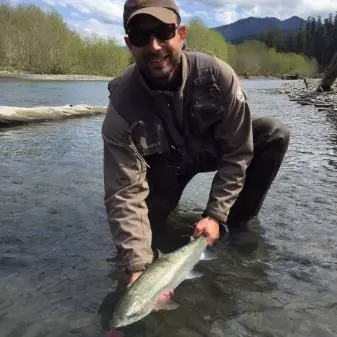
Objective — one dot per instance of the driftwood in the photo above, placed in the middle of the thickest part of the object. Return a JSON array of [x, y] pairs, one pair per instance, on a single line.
[[329, 77], [10, 115], [290, 77]]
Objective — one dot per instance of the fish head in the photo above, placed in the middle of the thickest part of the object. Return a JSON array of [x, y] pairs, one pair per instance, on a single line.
[[130, 310]]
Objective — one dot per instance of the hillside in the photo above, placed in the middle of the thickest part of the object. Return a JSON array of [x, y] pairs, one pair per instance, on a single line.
[[250, 28]]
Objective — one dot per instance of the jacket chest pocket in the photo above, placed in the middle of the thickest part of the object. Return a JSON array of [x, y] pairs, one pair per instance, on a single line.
[[207, 107], [149, 137]]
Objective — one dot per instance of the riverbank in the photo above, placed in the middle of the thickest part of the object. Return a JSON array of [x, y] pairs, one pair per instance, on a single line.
[[4, 74], [298, 92], [50, 77]]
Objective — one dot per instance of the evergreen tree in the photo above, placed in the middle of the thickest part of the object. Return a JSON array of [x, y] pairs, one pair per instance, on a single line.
[[317, 38], [301, 38]]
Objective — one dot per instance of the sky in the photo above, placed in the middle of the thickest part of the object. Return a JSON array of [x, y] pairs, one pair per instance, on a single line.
[[104, 17]]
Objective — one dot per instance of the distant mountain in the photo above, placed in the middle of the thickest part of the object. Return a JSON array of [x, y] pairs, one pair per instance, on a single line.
[[250, 28]]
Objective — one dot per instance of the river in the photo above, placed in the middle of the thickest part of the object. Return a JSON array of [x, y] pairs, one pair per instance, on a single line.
[[57, 259]]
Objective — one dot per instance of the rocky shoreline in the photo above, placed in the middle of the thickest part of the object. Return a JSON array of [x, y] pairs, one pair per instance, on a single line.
[[297, 91], [21, 75]]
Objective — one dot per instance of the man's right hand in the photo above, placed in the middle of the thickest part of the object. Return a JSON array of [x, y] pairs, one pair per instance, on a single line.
[[133, 277]]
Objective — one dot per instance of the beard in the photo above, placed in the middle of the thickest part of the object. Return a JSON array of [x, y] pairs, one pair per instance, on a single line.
[[161, 67]]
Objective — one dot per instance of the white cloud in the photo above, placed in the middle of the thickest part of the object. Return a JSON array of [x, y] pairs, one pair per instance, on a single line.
[[75, 14], [94, 26], [230, 14], [104, 10], [186, 15], [105, 16], [227, 11]]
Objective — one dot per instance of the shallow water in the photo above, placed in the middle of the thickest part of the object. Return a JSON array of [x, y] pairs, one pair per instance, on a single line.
[[57, 257]]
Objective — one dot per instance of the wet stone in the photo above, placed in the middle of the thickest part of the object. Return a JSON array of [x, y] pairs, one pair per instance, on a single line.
[[52, 211], [297, 92], [323, 105], [236, 285], [262, 302]]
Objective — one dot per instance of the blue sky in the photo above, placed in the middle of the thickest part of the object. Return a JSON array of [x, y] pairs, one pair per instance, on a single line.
[[104, 17]]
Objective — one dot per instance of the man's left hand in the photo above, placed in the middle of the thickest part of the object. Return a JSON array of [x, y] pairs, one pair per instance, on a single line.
[[208, 227]]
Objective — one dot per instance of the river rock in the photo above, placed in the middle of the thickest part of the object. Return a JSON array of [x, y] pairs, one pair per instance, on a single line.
[[298, 92], [11, 115], [323, 105]]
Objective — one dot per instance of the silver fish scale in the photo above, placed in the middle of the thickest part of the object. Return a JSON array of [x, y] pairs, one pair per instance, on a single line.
[[169, 270]]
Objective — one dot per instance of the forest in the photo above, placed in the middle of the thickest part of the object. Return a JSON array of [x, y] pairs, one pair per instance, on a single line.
[[36, 41], [316, 39]]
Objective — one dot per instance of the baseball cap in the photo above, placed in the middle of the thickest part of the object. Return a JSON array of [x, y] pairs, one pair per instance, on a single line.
[[166, 11]]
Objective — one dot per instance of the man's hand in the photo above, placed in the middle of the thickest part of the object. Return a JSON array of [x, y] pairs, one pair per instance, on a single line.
[[162, 299], [133, 277], [208, 227]]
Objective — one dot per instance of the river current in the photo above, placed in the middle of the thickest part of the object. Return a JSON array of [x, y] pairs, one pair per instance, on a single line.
[[57, 256]]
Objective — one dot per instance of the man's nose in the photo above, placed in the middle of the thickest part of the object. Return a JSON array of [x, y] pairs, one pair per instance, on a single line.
[[154, 44]]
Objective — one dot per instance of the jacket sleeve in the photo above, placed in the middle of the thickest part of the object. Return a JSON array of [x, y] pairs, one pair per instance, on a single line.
[[126, 189], [235, 143]]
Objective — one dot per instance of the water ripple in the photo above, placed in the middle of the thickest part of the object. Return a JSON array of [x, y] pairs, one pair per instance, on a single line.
[[56, 248]]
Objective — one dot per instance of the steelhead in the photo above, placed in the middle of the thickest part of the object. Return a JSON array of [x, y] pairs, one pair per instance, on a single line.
[[164, 274]]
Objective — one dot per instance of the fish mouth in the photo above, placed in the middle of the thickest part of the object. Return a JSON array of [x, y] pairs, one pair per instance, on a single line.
[[119, 322]]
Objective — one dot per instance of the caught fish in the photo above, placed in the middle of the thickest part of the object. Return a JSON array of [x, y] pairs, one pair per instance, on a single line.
[[162, 276]]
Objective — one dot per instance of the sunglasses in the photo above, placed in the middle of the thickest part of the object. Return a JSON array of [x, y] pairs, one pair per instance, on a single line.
[[141, 37]]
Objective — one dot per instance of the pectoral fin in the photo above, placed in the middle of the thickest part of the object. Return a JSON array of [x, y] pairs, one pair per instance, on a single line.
[[164, 301], [194, 274], [167, 305]]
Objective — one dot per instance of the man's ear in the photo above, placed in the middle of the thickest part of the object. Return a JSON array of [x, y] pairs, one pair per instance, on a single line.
[[182, 33], [128, 43]]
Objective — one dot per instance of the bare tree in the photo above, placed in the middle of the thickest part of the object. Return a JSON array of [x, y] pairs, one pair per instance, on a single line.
[[329, 77]]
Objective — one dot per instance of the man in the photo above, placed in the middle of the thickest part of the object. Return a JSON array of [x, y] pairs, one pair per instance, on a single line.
[[174, 114]]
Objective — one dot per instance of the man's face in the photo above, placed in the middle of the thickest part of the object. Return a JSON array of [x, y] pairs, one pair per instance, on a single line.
[[156, 47]]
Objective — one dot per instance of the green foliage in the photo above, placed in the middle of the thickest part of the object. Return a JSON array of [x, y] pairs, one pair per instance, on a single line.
[[40, 42], [255, 58], [252, 57], [200, 38], [98, 56]]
